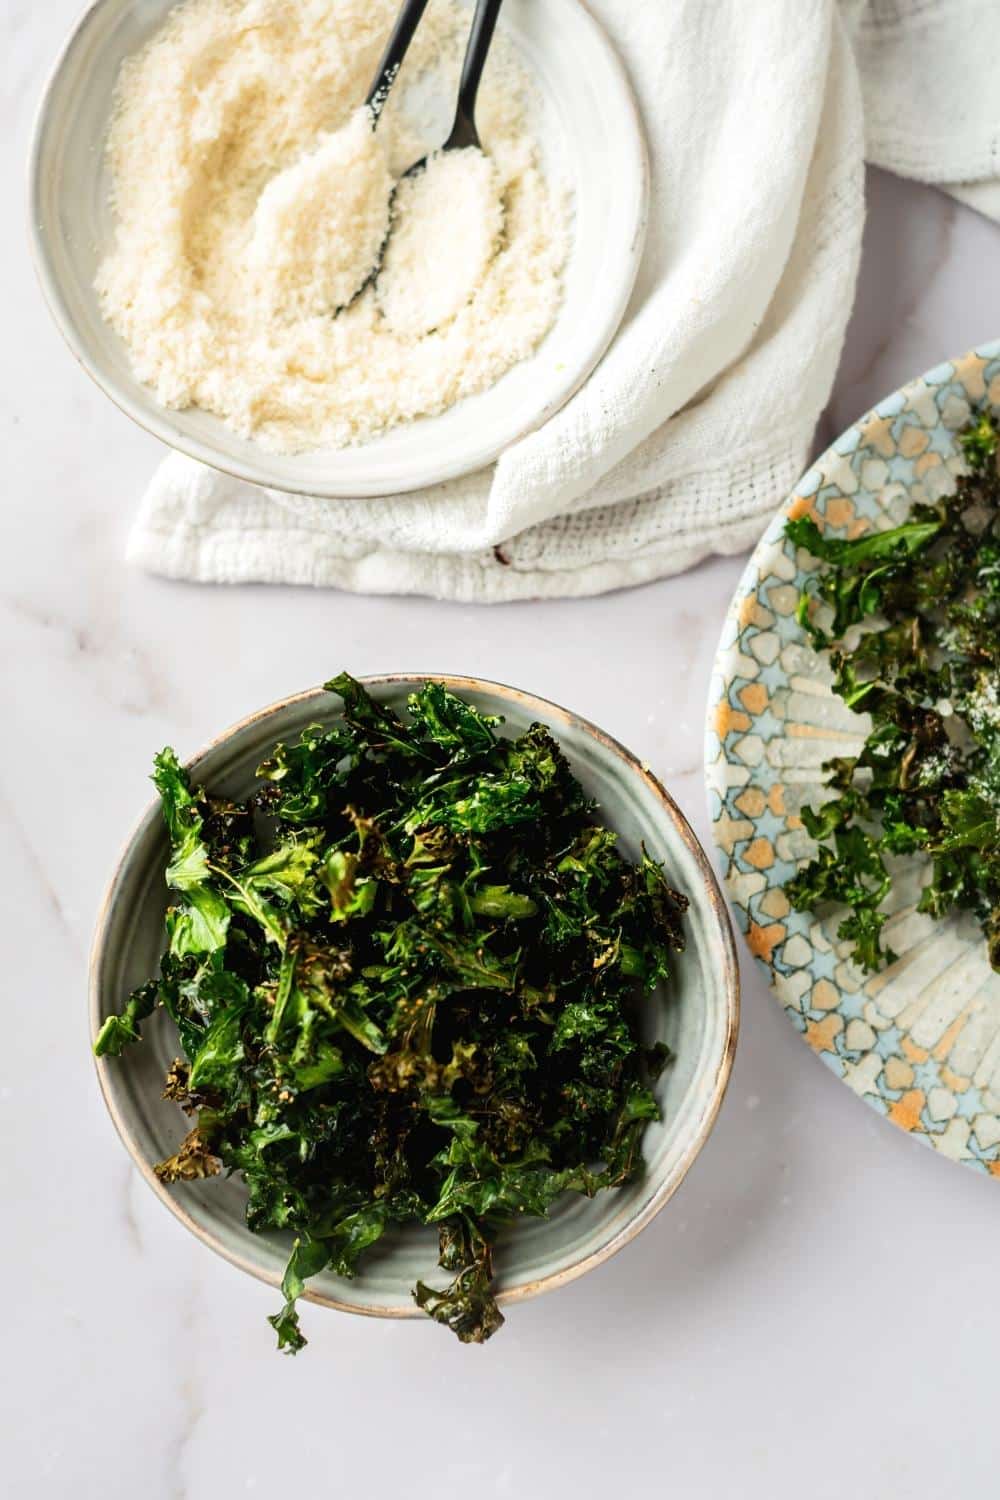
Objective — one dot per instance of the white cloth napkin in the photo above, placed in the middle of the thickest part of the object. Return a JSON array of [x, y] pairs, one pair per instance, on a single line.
[[697, 422]]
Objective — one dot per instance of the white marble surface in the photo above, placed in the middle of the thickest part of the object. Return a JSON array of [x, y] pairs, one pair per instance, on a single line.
[[814, 1313]]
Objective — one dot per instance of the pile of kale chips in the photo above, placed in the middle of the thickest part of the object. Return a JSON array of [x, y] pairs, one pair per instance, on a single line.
[[927, 670], [406, 977]]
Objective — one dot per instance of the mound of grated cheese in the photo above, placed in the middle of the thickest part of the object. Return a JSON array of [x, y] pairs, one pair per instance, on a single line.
[[319, 225], [251, 198], [446, 224]]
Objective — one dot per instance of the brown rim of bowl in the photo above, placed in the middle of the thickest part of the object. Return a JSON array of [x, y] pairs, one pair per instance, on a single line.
[[731, 981]]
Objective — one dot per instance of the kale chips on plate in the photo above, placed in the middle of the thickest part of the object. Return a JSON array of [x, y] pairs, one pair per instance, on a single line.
[[912, 628]]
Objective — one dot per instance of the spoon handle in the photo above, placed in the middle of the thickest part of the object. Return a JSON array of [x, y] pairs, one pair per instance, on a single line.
[[395, 50], [484, 22]]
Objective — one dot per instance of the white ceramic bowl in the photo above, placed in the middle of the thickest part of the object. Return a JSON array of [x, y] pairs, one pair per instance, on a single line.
[[584, 92], [698, 1018]]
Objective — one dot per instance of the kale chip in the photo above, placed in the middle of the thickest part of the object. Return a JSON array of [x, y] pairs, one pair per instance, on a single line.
[[926, 667], [407, 977]]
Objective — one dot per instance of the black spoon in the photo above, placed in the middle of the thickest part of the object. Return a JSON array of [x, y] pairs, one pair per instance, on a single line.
[[463, 131], [392, 58]]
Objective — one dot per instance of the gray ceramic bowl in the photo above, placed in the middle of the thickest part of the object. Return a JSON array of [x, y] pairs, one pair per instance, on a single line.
[[699, 1019]]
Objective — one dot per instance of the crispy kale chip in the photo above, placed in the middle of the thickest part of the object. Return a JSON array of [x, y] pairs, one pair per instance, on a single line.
[[408, 978], [926, 667]]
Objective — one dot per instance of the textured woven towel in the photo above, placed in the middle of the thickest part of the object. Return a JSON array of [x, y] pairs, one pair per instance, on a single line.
[[698, 419]]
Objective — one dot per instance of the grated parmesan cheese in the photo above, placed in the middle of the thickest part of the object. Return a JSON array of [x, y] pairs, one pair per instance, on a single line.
[[446, 225], [320, 224], [983, 704], [251, 197]]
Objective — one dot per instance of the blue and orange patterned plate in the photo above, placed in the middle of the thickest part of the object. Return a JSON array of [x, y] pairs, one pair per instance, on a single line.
[[919, 1041]]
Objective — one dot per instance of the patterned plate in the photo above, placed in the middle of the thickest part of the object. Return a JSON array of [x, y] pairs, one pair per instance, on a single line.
[[920, 1041]]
